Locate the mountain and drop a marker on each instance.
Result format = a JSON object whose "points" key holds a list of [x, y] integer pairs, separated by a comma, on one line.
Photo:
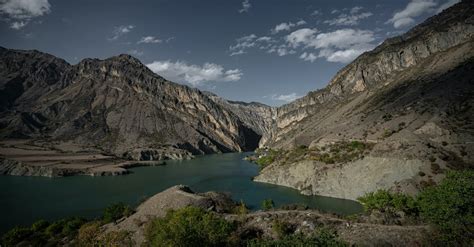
{"points": [[408, 103], [117, 106]]}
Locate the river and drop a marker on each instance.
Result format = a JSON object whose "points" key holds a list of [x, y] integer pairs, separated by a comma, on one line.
{"points": [[24, 200]]}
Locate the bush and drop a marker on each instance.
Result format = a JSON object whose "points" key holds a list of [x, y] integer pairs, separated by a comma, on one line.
{"points": [[88, 234], [120, 238], [281, 228], [189, 226], [450, 206], [267, 204], [322, 239], [72, 225], [383, 200], [116, 212], [16, 235], [39, 225], [241, 209]]}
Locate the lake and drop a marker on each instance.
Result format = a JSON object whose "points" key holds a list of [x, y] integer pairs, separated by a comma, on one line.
{"points": [[24, 200]]}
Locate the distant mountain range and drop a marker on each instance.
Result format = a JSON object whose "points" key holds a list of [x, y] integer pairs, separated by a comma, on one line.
{"points": [[119, 106]]}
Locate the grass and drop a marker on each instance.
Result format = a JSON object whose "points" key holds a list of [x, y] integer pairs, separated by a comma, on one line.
{"points": [[339, 152]]}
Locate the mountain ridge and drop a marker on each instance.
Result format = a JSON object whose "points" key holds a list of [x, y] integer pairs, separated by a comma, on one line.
{"points": [[40, 104], [409, 103]]}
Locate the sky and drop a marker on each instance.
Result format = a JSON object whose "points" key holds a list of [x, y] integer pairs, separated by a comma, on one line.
{"points": [[269, 51]]}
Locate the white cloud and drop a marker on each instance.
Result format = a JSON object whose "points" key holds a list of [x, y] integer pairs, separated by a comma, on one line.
{"points": [[284, 26], [446, 5], [342, 45], [356, 9], [245, 6], [20, 12], [121, 30], [308, 56], [285, 97], [343, 56], [249, 41], [414, 9], [149, 40], [348, 20], [18, 25], [301, 36], [300, 22], [265, 39], [194, 74], [281, 50], [24, 9], [342, 38]]}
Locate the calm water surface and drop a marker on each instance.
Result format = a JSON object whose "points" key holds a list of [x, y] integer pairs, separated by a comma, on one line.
{"points": [[24, 200]]}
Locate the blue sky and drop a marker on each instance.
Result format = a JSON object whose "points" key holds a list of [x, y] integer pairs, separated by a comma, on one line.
{"points": [[270, 51]]}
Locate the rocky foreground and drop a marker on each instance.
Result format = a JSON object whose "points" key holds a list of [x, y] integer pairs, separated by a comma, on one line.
{"points": [[303, 221]]}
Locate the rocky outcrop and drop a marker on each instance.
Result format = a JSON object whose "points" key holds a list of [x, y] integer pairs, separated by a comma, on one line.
{"points": [[261, 223], [176, 197], [350, 181], [117, 105], [412, 97]]}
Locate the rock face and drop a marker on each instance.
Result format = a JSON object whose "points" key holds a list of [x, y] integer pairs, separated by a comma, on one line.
{"points": [[116, 105], [412, 96], [256, 116]]}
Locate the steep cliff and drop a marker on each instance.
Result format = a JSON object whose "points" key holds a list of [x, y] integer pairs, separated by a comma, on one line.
{"points": [[116, 105], [256, 116], [412, 97]]}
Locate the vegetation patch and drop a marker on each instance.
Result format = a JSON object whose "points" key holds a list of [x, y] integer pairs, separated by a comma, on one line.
{"points": [[449, 207], [321, 238], [339, 152], [189, 226], [81, 231]]}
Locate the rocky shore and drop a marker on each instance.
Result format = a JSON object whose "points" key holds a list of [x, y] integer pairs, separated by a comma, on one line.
{"points": [[30, 158]]}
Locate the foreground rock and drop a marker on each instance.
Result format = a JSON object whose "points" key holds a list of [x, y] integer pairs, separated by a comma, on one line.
{"points": [[173, 198], [412, 97], [305, 221]]}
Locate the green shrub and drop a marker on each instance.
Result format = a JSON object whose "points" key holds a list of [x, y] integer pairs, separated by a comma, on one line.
{"points": [[265, 160], [88, 234], [384, 200], [116, 212], [267, 204], [322, 239], [357, 145], [450, 206], [72, 225], [241, 209], [189, 226], [39, 225], [16, 235], [281, 228]]}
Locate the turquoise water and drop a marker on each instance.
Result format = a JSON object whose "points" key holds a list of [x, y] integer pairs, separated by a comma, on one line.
{"points": [[24, 200]]}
